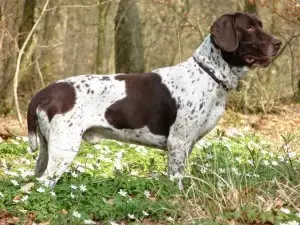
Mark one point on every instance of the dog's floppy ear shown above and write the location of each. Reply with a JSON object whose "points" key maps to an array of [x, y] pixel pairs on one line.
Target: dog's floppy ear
{"points": [[224, 33]]}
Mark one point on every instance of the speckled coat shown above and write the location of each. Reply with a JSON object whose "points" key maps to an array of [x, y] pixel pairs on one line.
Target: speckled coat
{"points": [[170, 108]]}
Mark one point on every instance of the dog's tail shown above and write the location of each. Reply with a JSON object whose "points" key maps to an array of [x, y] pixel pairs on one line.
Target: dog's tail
{"points": [[32, 124]]}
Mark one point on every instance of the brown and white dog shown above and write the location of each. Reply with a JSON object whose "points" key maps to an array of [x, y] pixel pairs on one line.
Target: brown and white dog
{"points": [[170, 108]]}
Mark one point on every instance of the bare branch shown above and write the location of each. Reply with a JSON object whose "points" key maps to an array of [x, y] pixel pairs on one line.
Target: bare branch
{"points": [[16, 77]]}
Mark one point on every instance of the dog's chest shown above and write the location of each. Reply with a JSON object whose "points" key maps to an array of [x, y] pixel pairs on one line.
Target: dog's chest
{"points": [[201, 101]]}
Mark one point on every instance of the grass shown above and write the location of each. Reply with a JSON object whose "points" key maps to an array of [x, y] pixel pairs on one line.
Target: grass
{"points": [[229, 180]]}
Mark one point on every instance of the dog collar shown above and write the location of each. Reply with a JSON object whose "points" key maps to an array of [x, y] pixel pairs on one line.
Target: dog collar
{"points": [[211, 74]]}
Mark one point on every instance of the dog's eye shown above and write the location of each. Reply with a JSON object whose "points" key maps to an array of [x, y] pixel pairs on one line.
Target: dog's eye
{"points": [[250, 28]]}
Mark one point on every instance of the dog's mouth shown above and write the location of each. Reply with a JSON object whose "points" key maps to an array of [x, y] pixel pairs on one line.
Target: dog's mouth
{"points": [[262, 61]]}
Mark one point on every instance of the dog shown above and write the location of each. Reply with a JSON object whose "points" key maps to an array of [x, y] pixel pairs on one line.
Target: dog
{"points": [[169, 108]]}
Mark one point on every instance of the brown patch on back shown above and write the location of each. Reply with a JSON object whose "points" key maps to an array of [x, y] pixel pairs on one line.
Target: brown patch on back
{"points": [[148, 103], [55, 99]]}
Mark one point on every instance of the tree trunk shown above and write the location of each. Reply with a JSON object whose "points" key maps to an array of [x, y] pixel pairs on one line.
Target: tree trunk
{"points": [[128, 40]]}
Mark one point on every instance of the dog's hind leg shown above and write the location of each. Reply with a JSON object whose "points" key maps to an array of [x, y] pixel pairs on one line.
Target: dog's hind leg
{"points": [[63, 146], [42, 161]]}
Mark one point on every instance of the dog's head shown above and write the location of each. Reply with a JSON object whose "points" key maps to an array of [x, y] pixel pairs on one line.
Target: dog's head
{"points": [[243, 41]]}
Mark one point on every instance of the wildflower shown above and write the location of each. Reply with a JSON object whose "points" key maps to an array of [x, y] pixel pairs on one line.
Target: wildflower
{"points": [[1, 195], [15, 142], [145, 213], [271, 154], [290, 223], [24, 198], [98, 147], [292, 155], [76, 214], [72, 195], [251, 162], [89, 222], [203, 170], [80, 169], [118, 165], [113, 223], [24, 138], [222, 170], [74, 187], [274, 163], [281, 158], [134, 173], [82, 187], [74, 174], [131, 216], [14, 182], [119, 155], [170, 219], [90, 156], [285, 210], [52, 193], [147, 193], [123, 193], [265, 162], [264, 152], [209, 156], [238, 159], [220, 184], [298, 214], [41, 190]]}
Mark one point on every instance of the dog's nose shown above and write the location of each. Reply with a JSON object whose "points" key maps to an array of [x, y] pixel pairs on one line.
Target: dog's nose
{"points": [[277, 43]]}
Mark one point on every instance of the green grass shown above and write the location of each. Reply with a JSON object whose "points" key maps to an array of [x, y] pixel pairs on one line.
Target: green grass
{"points": [[239, 178]]}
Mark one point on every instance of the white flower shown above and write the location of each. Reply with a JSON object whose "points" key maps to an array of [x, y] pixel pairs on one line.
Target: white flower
{"points": [[203, 170], [271, 154], [281, 158], [274, 163], [170, 219], [285, 210], [238, 159], [131, 216], [134, 173], [15, 142], [119, 155], [52, 193], [251, 162], [292, 155], [80, 169], [90, 156], [118, 165], [298, 214], [82, 187], [264, 152], [145, 213], [290, 223], [40, 189], [24, 138], [74, 174], [76, 214], [113, 223], [222, 170], [123, 193], [220, 184], [147, 193], [209, 156], [89, 221], [265, 162], [14, 182], [256, 175], [74, 187], [1, 195], [98, 147], [72, 195], [24, 198]]}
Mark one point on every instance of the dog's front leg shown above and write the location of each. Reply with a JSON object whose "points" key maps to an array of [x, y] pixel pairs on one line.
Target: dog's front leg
{"points": [[178, 151]]}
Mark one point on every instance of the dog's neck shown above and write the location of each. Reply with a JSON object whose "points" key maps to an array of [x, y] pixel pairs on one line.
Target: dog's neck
{"points": [[212, 58]]}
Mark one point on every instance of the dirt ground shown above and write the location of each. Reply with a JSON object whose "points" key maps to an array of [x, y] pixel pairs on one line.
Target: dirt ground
{"points": [[272, 126]]}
